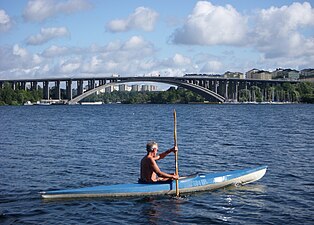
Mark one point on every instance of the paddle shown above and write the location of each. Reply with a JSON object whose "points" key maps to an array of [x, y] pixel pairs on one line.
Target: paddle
{"points": [[176, 153]]}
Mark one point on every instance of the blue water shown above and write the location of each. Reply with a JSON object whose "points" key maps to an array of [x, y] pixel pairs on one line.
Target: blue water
{"points": [[58, 147]]}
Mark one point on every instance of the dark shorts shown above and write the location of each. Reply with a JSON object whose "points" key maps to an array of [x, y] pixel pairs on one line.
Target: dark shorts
{"points": [[140, 181]]}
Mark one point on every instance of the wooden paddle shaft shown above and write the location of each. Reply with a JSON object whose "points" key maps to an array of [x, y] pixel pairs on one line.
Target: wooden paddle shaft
{"points": [[176, 153]]}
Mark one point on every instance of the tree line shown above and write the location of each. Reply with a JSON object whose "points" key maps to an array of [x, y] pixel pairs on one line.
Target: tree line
{"points": [[9, 96], [170, 96], [302, 92]]}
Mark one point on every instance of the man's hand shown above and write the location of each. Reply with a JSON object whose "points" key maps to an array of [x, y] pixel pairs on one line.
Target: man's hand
{"points": [[175, 177], [174, 149]]}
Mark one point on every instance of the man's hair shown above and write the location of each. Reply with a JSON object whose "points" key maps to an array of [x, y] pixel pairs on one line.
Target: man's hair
{"points": [[150, 146]]}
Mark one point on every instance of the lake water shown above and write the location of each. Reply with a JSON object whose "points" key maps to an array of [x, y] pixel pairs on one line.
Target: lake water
{"points": [[59, 147]]}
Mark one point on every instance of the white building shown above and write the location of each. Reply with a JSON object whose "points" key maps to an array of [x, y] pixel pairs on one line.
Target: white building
{"points": [[136, 87], [149, 87], [109, 89]]}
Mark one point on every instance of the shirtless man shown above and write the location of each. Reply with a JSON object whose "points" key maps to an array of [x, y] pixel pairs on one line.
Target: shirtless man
{"points": [[149, 167]]}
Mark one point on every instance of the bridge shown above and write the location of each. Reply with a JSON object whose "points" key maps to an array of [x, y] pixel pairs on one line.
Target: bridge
{"points": [[212, 88]]}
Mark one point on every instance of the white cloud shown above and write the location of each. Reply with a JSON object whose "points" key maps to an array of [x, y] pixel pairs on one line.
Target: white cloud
{"points": [[210, 25], [5, 21], [16, 61], [40, 10], [37, 59], [135, 42], [134, 48], [70, 66], [277, 31], [180, 60], [20, 52], [142, 18], [126, 57], [212, 66], [47, 34], [281, 35], [55, 51]]}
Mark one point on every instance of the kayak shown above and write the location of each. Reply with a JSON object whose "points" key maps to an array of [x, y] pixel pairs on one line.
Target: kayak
{"points": [[194, 183]]}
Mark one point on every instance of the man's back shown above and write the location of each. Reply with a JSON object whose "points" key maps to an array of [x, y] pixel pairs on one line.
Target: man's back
{"points": [[147, 172]]}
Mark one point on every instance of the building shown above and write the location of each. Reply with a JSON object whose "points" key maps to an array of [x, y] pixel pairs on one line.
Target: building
{"points": [[136, 87], [276, 73], [258, 75], [109, 89], [149, 87], [287, 74], [248, 74], [238, 75], [305, 73], [123, 87]]}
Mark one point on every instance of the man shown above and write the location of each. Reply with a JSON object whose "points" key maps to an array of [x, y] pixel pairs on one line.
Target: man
{"points": [[149, 167]]}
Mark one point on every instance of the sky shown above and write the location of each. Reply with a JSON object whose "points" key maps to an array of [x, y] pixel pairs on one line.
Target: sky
{"points": [[94, 38]]}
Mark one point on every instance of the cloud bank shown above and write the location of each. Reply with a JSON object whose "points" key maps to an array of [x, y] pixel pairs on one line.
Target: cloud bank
{"points": [[41, 10], [211, 39], [275, 32]]}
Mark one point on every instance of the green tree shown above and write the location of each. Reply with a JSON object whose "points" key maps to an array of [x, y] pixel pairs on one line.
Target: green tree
{"points": [[7, 94]]}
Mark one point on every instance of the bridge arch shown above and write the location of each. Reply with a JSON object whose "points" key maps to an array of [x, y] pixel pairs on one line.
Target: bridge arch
{"points": [[204, 92]]}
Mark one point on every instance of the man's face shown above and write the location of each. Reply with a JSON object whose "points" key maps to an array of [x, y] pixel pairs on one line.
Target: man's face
{"points": [[155, 149]]}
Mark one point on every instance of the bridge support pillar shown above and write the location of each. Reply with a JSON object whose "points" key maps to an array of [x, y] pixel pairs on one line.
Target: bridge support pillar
{"points": [[13, 84], [216, 86], [22, 85], [46, 89], [207, 86], [102, 82], [236, 91], [69, 89], [91, 84], [226, 86], [34, 85], [58, 90], [80, 87]]}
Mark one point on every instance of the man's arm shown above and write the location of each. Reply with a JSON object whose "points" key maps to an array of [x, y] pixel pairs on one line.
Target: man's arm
{"points": [[160, 173], [164, 154]]}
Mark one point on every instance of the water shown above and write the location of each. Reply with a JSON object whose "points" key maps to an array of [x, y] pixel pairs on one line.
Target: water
{"points": [[58, 147]]}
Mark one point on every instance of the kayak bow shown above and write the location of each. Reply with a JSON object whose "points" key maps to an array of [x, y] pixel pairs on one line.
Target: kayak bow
{"points": [[199, 182]]}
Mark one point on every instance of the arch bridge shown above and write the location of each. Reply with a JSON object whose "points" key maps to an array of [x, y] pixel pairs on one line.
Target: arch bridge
{"points": [[212, 88], [206, 93]]}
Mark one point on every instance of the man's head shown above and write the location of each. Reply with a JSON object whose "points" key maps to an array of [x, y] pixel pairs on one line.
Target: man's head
{"points": [[151, 145]]}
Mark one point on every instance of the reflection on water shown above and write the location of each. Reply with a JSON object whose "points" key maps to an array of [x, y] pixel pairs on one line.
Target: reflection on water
{"points": [[158, 210]]}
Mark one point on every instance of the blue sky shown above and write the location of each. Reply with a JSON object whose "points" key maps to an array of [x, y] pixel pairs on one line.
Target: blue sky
{"points": [[72, 38]]}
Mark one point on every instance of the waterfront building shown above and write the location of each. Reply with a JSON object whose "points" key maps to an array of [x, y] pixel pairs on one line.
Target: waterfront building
{"points": [[147, 87], [258, 74], [248, 74], [238, 75], [307, 73], [276, 73], [287, 74], [123, 87], [109, 89], [136, 87]]}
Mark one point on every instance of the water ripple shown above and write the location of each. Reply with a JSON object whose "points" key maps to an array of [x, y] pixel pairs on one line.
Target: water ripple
{"points": [[67, 147]]}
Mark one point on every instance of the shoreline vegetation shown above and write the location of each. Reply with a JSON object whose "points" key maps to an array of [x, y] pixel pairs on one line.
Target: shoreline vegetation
{"points": [[298, 93]]}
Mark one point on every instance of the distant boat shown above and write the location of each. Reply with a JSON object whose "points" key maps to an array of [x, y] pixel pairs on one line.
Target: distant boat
{"points": [[43, 102], [28, 103], [91, 103]]}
